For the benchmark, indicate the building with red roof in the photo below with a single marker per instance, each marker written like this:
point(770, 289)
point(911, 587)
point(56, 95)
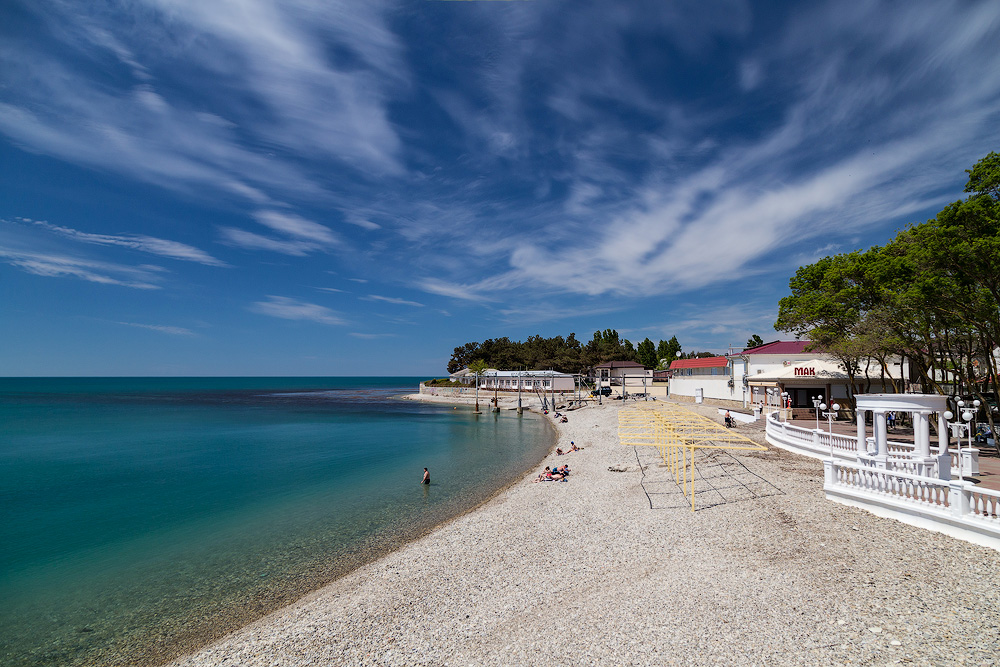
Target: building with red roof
point(698, 379)
point(758, 368)
point(779, 374)
point(688, 366)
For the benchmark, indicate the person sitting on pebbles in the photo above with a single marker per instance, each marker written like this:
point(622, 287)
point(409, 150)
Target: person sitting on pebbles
point(572, 447)
point(549, 475)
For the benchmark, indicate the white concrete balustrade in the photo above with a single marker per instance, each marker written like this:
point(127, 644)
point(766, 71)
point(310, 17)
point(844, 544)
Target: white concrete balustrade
point(816, 444)
point(951, 507)
point(904, 481)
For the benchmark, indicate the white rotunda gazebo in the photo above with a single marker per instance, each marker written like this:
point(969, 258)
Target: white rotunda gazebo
point(922, 407)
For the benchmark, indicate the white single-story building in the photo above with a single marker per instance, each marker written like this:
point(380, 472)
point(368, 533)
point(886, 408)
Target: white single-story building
point(700, 379)
point(628, 374)
point(529, 381)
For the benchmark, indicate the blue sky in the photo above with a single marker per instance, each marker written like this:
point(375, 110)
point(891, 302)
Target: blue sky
point(244, 187)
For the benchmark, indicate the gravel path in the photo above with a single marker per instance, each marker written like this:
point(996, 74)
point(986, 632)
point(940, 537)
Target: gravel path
point(613, 568)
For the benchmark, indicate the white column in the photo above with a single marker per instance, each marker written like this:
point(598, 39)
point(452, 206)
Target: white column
point(942, 434)
point(881, 439)
point(922, 433)
point(862, 433)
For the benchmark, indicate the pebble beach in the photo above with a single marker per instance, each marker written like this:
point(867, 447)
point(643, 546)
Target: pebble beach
point(612, 567)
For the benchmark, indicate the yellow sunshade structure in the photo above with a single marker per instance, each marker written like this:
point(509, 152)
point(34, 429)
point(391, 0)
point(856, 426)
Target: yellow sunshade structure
point(677, 433)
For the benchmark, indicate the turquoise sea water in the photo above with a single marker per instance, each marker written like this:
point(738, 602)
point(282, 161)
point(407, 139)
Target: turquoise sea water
point(143, 517)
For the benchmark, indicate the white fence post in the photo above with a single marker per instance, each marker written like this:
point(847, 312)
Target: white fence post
point(829, 472)
point(958, 498)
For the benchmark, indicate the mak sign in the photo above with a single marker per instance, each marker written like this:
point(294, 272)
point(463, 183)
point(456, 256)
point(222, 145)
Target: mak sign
point(805, 371)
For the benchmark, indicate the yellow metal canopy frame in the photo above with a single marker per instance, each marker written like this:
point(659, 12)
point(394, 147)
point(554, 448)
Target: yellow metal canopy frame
point(677, 433)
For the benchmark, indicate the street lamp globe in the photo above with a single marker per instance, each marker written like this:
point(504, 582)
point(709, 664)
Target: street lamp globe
point(948, 415)
point(836, 407)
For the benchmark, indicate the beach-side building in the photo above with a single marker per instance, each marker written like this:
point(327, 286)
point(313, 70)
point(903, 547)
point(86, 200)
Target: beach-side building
point(795, 386)
point(529, 381)
point(696, 380)
point(726, 380)
point(627, 374)
point(752, 366)
point(780, 374)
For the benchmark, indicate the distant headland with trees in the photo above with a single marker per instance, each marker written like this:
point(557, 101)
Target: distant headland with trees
point(569, 355)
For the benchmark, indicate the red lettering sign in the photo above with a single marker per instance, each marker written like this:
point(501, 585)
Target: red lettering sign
point(805, 371)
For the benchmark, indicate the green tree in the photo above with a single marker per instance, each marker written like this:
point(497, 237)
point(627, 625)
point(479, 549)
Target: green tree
point(826, 305)
point(754, 341)
point(463, 356)
point(667, 351)
point(984, 177)
point(478, 366)
point(646, 354)
point(931, 295)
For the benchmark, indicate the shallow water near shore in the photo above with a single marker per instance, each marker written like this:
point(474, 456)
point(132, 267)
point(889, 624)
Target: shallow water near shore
point(145, 517)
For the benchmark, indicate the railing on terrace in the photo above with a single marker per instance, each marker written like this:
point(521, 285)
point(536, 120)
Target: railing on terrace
point(820, 444)
point(984, 504)
point(902, 485)
point(954, 507)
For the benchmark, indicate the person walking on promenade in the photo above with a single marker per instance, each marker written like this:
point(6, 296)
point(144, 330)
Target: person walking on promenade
point(427, 477)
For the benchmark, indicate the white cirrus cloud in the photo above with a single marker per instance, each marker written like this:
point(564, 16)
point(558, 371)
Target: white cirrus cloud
point(148, 244)
point(297, 227)
point(252, 241)
point(55, 265)
point(293, 309)
point(297, 235)
point(276, 56)
point(372, 336)
point(359, 220)
point(162, 328)
point(394, 300)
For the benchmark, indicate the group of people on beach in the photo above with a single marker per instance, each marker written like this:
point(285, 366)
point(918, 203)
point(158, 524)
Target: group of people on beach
point(572, 448)
point(553, 474)
point(559, 473)
point(560, 417)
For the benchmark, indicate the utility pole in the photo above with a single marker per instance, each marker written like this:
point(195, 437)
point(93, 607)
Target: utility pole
point(552, 386)
point(477, 394)
point(520, 410)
